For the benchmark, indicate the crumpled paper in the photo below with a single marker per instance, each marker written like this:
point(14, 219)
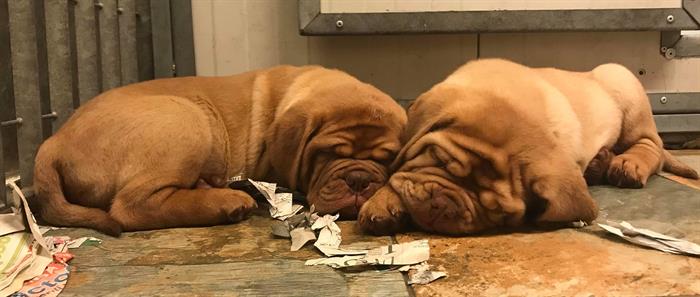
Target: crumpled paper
point(281, 206)
point(421, 274)
point(51, 282)
point(24, 254)
point(652, 239)
point(301, 228)
point(297, 228)
point(36, 264)
point(329, 237)
point(395, 254)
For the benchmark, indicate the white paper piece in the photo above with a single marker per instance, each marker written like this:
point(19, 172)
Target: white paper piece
point(36, 268)
point(30, 255)
point(267, 189)
point(329, 236)
point(653, 239)
point(396, 254)
point(18, 252)
point(44, 229)
point(281, 206)
point(33, 226)
point(11, 222)
point(76, 243)
point(300, 236)
point(329, 251)
point(578, 224)
point(422, 274)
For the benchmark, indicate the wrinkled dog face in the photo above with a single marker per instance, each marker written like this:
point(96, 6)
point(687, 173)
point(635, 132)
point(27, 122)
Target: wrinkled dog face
point(349, 166)
point(334, 140)
point(450, 189)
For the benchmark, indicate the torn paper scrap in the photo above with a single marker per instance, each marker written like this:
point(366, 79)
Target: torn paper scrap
point(281, 206)
point(78, 242)
point(51, 282)
point(652, 239)
point(300, 236)
point(578, 224)
point(396, 254)
point(330, 251)
point(18, 252)
point(33, 226)
point(281, 229)
point(28, 253)
point(329, 236)
point(11, 222)
point(44, 229)
point(21, 258)
point(421, 274)
point(35, 269)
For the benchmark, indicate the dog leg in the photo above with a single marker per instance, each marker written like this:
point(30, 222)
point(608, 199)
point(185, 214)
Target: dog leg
point(639, 148)
point(632, 168)
point(175, 207)
point(383, 213)
point(597, 169)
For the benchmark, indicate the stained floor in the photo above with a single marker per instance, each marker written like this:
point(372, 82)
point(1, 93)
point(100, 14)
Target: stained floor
point(245, 260)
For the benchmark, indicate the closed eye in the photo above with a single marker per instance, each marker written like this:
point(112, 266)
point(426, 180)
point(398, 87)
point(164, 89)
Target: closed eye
point(384, 156)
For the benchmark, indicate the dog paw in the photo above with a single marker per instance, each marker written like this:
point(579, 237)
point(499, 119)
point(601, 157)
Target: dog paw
point(597, 169)
point(240, 208)
point(380, 218)
point(625, 172)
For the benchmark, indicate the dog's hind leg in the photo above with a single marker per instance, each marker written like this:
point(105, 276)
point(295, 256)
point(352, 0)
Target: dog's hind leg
point(639, 148)
point(145, 208)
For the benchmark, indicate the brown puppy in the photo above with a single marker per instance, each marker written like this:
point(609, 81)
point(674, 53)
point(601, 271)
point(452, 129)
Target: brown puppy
point(499, 143)
point(131, 158)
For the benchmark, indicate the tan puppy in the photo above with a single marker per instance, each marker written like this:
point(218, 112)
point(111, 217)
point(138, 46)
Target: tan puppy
point(131, 158)
point(500, 144)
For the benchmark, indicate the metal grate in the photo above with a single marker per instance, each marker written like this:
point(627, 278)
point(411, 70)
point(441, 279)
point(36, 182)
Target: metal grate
point(57, 54)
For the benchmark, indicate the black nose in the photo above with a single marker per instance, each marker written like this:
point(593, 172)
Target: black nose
point(358, 181)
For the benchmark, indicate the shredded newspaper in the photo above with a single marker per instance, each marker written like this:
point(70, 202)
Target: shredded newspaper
point(652, 239)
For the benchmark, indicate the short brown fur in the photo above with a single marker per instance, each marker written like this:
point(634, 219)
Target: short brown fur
point(158, 154)
point(501, 144)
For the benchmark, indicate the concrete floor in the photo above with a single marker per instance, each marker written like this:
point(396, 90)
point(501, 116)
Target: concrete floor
point(245, 260)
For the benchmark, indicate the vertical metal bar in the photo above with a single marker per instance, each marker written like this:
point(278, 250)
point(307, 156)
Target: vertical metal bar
point(72, 37)
point(127, 41)
point(183, 39)
point(162, 39)
point(43, 72)
point(3, 190)
point(144, 40)
point(59, 60)
point(89, 75)
point(6, 100)
point(25, 68)
point(109, 43)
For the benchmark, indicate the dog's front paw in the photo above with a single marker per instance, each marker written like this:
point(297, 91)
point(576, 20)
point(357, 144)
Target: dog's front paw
point(597, 169)
point(239, 207)
point(624, 172)
point(383, 214)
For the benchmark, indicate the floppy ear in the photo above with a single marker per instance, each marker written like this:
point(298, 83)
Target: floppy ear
point(561, 198)
point(286, 142)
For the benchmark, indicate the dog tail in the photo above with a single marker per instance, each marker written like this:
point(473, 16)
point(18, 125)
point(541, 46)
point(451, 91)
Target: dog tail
point(53, 206)
point(673, 165)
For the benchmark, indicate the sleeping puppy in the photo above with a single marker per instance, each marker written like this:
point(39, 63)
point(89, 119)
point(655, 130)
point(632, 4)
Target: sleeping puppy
point(158, 154)
point(501, 144)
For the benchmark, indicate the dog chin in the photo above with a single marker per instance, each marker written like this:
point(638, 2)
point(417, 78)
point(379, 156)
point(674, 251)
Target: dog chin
point(336, 197)
point(438, 204)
